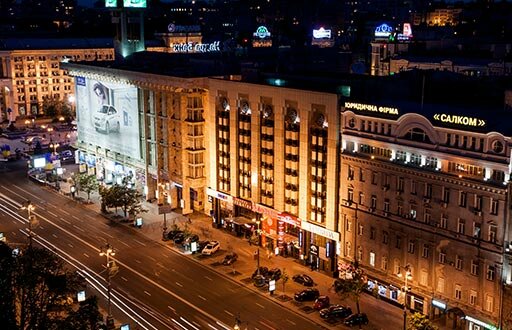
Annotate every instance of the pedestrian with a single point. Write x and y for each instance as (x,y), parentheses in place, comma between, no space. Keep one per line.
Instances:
(189,220)
(250,242)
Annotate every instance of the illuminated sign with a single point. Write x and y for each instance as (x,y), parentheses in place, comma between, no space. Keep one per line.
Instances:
(407,30)
(190,47)
(261,32)
(320,231)
(460,120)
(438,304)
(322,34)
(383,30)
(135,3)
(80,296)
(183,28)
(480,323)
(219,195)
(370,107)
(111,3)
(39,162)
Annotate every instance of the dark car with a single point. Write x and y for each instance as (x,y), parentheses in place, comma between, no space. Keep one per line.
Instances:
(201,245)
(191,238)
(261,271)
(303,279)
(321,303)
(356,319)
(230,258)
(171,234)
(179,238)
(259,281)
(335,311)
(307,295)
(337,285)
(273,274)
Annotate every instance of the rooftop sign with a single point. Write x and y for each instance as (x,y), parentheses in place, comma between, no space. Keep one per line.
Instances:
(262,32)
(383,30)
(322,34)
(183,28)
(190,47)
(111,3)
(371,108)
(135,4)
(459,120)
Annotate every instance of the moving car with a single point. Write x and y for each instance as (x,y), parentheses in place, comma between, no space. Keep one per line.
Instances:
(230,259)
(356,319)
(303,279)
(107,119)
(335,311)
(309,294)
(211,248)
(321,303)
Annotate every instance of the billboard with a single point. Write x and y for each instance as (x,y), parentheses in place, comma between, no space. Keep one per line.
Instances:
(107,115)
(135,3)
(111,3)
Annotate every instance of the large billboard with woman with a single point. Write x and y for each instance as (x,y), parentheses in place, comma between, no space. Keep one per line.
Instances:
(107,115)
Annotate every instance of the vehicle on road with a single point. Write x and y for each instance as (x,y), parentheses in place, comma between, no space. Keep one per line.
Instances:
(335,311)
(303,279)
(32,140)
(107,119)
(211,248)
(321,303)
(309,294)
(356,319)
(230,259)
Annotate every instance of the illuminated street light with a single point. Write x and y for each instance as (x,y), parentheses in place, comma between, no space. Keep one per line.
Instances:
(407,276)
(108,251)
(54,146)
(257,222)
(30,208)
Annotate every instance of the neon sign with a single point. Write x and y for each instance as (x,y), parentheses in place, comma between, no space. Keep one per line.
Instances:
(322,34)
(370,107)
(383,30)
(111,3)
(261,32)
(190,47)
(183,28)
(459,120)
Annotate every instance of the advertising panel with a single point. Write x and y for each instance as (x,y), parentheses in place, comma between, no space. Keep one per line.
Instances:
(107,116)
(135,3)
(111,3)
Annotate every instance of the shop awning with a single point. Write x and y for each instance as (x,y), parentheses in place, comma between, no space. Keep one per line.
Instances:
(239,220)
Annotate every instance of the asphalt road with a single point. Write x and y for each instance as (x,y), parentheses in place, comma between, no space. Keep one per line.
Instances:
(155,287)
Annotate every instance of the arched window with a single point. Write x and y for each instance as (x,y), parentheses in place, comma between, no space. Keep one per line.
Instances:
(418,135)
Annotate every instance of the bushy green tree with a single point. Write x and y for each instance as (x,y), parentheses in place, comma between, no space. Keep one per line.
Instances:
(353,285)
(128,199)
(86,183)
(419,321)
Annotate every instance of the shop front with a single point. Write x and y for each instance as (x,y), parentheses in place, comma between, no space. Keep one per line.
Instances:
(222,207)
(320,244)
(288,230)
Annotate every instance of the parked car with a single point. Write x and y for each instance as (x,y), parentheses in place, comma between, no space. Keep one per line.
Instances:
(107,119)
(201,245)
(171,234)
(309,294)
(191,238)
(337,285)
(335,311)
(261,271)
(303,279)
(230,258)
(259,281)
(179,238)
(321,303)
(356,319)
(211,248)
(273,274)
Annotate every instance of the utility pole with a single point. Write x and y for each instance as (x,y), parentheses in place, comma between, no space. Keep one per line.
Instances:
(108,251)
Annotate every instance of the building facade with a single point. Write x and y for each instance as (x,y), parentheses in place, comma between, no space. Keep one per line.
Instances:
(428,193)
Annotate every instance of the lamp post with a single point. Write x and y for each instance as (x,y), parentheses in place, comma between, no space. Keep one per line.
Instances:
(30,208)
(407,276)
(108,251)
(257,222)
(54,146)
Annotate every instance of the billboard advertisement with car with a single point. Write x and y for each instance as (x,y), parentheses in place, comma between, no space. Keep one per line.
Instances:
(107,116)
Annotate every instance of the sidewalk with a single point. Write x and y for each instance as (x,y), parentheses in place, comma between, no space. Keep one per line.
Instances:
(382,315)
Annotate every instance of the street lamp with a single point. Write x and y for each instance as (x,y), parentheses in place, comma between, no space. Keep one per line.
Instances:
(407,276)
(108,251)
(30,208)
(257,222)
(54,146)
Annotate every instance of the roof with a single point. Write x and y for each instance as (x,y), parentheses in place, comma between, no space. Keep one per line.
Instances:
(56,43)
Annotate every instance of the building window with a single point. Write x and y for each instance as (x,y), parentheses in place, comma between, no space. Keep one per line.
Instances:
(446,195)
(360,230)
(489,303)
(386,205)
(400,184)
(385,237)
(442,257)
(398,243)
(428,190)
(477,229)
(427,216)
(461,226)
(372,233)
(458,262)
(384,263)
(440,284)
(474,267)
(411,247)
(396,266)
(361,198)
(472,297)
(490,275)
(444,221)
(462,198)
(374,202)
(372,259)
(350,195)
(361,175)
(349,225)
(348,249)
(424,277)
(350,176)
(478,202)
(458,291)
(359,253)
(374,177)
(494,206)
(413,187)
(492,233)
(426,251)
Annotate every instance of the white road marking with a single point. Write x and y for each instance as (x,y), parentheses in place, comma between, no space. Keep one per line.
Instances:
(229,313)
(208,278)
(172,309)
(291,322)
(75,226)
(85,254)
(160,264)
(150,257)
(139,242)
(55,215)
(124,278)
(68,222)
(109,235)
(76,218)
(70,245)
(138,261)
(202,297)
(65,212)
(269,326)
(260,305)
(149,294)
(124,243)
(55,236)
(179,284)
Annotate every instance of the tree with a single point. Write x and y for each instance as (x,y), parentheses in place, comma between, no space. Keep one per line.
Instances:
(87,317)
(86,183)
(128,199)
(354,284)
(284,277)
(37,290)
(419,321)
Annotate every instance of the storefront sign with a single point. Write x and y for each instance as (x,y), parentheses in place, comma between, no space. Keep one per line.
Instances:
(313,249)
(322,34)
(190,47)
(288,218)
(370,107)
(320,231)
(265,210)
(218,195)
(183,28)
(459,120)
(242,203)
(383,30)
(481,323)
(261,32)
(438,304)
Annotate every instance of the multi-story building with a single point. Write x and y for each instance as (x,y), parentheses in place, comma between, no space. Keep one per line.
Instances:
(427,190)
(30,71)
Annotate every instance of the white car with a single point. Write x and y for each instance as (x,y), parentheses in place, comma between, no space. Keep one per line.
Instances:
(211,248)
(107,119)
